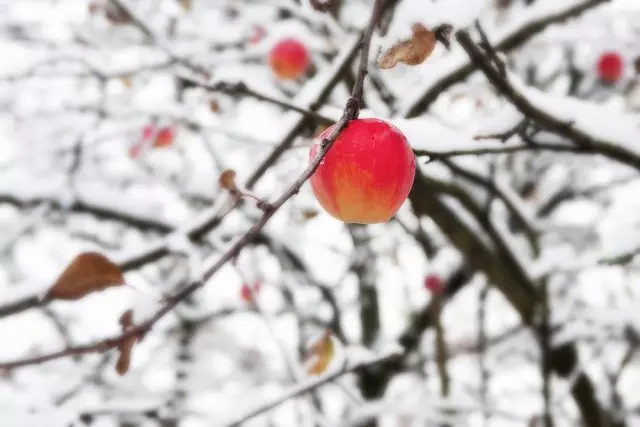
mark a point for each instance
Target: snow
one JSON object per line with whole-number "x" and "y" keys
{"x": 216, "y": 358}
{"x": 621, "y": 129}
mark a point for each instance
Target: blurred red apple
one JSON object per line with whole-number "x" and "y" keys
{"x": 247, "y": 293}
{"x": 610, "y": 67}
{"x": 366, "y": 175}
{"x": 433, "y": 284}
{"x": 164, "y": 138}
{"x": 135, "y": 150}
{"x": 257, "y": 33}
{"x": 289, "y": 59}
{"x": 148, "y": 132}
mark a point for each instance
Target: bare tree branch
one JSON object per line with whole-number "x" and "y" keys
{"x": 508, "y": 43}
{"x": 351, "y": 112}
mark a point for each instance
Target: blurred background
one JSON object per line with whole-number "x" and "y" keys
{"x": 505, "y": 292}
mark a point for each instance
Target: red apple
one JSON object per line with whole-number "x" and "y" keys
{"x": 433, "y": 284}
{"x": 135, "y": 150}
{"x": 610, "y": 67}
{"x": 366, "y": 175}
{"x": 148, "y": 132}
{"x": 164, "y": 138}
{"x": 247, "y": 293}
{"x": 257, "y": 33}
{"x": 289, "y": 59}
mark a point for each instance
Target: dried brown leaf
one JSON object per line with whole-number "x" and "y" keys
{"x": 88, "y": 272}
{"x": 227, "y": 180}
{"x": 126, "y": 80}
{"x": 126, "y": 347}
{"x": 636, "y": 64}
{"x": 411, "y": 52}
{"x": 320, "y": 354}
{"x": 309, "y": 213}
{"x": 93, "y": 7}
{"x": 214, "y": 106}
{"x": 186, "y": 4}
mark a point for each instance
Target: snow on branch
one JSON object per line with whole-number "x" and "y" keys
{"x": 589, "y": 127}
{"x": 138, "y": 331}
{"x": 456, "y": 67}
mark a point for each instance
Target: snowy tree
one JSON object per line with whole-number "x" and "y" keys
{"x": 164, "y": 261}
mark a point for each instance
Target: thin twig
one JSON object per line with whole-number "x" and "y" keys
{"x": 311, "y": 385}
{"x": 241, "y": 88}
{"x": 138, "y": 22}
{"x": 512, "y": 41}
{"x": 582, "y": 140}
{"x": 351, "y": 112}
{"x": 502, "y": 150}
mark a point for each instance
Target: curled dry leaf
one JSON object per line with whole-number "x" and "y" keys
{"x": 186, "y": 4}
{"x": 93, "y": 7}
{"x": 126, "y": 81}
{"x": 227, "y": 180}
{"x": 411, "y": 52}
{"x": 309, "y": 213}
{"x": 125, "y": 348}
{"x": 320, "y": 354}
{"x": 88, "y": 272}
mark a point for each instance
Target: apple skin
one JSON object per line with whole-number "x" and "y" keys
{"x": 610, "y": 67}
{"x": 367, "y": 174}
{"x": 289, "y": 59}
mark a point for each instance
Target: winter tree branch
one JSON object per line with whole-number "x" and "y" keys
{"x": 351, "y": 112}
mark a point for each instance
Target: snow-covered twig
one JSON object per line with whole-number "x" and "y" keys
{"x": 311, "y": 385}
{"x": 534, "y": 24}
{"x": 575, "y": 132}
{"x": 351, "y": 112}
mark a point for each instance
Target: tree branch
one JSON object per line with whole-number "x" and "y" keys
{"x": 351, "y": 112}
{"x": 547, "y": 121}
{"x": 311, "y": 385}
{"x": 516, "y": 39}
{"x": 208, "y": 221}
